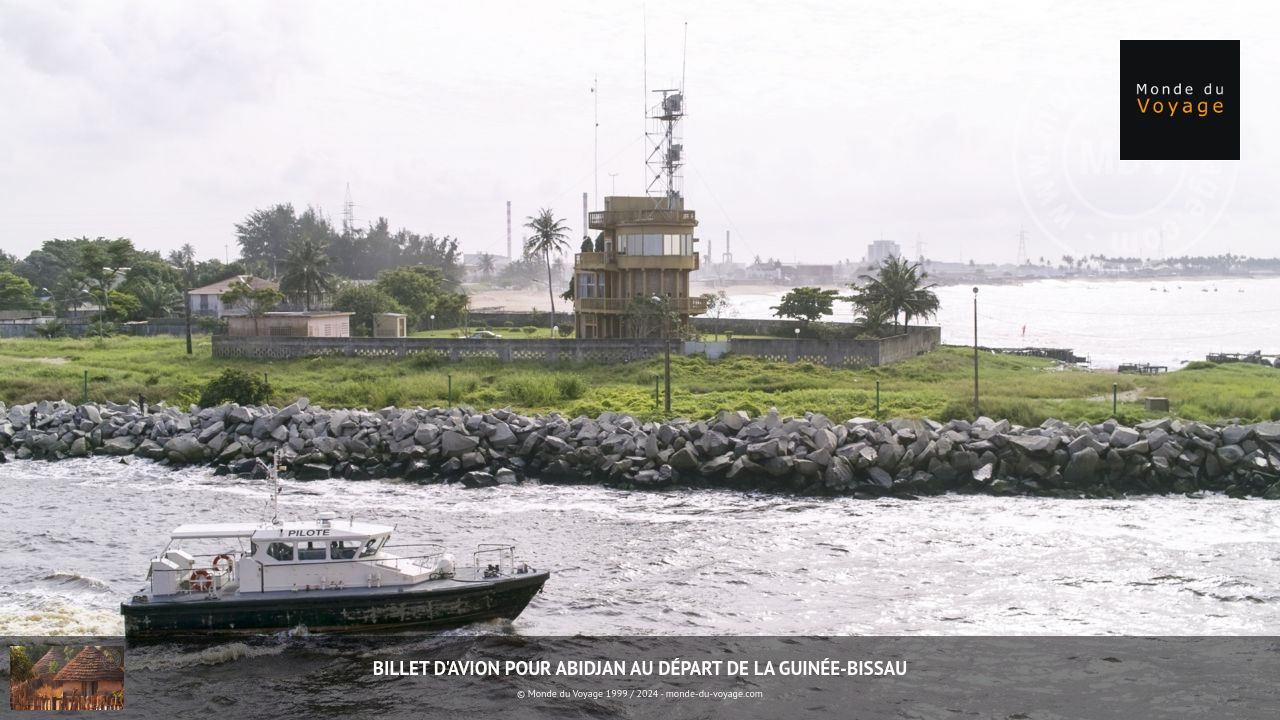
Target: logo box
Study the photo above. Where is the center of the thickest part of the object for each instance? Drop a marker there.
(1179, 99)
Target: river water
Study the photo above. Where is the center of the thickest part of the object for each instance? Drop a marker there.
(693, 562)
(1168, 321)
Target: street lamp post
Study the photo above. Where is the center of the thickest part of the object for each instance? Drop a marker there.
(976, 412)
(433, 323)
(796, 347)
(666, 353)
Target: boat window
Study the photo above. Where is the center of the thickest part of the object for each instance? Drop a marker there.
(311, 552)
(371, 547)
(343, 549)
(280, 551)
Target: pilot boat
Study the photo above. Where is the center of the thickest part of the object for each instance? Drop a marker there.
(327, 574)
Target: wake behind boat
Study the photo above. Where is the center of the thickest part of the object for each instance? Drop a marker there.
(327, 574)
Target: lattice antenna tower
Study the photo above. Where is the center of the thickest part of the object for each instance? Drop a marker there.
(348, 213)
(666, 143)
(1022, 246)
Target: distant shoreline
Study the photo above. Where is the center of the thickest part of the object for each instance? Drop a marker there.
(498, 300)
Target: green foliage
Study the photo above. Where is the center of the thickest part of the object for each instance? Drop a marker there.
(209, 324)
(421, 291)
(937, 385)
(123, 306)
(306, 270)
(366, 301)
(256, 302)
(21, 666)
(549, 236)
(102, 328)
(156, 299)
(806, 304)
(16, 293)
(897, 289)
(50, 330)
(237, 386)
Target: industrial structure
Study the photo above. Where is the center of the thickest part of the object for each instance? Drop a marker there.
(642, 257)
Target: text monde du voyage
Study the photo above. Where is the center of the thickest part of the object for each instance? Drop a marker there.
(1180, 100)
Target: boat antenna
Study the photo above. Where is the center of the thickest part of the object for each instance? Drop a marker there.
(274, 474)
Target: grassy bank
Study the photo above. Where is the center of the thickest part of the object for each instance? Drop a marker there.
(937, 385)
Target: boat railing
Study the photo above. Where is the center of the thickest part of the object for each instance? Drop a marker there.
(498, 552)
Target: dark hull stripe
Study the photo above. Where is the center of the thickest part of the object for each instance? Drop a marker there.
(433, 609)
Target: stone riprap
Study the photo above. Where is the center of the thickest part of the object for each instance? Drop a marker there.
(810, 454)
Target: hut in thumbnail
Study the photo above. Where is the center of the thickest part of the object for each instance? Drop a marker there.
(91, 672)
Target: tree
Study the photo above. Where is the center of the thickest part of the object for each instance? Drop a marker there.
(306, 273)
(122, 306)
(255, 302)
(21, 667)
(16, 293)
(549, 236)
(183, 256)
(806, 304)
(7, 261)
(486, 264)
(420, 291)
(264, 236)
(100, 264)
(717, 306)
(365, 301)
(897, 289)
(156, 300)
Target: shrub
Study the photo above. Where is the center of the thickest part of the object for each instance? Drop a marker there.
(528, 330)
(1200, 365)
(236, 386)
(101, 328)
(211, 325)
(570, 387)
(50, 330)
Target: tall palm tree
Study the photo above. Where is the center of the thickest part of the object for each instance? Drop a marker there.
(486, 264)
(549, 235)
(159, 300)
(895, 290)
(306, 273)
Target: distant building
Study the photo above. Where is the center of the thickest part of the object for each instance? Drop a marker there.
(809, 274)
(880, 250)
(292, 324)
(390, 325)
(647, 251)
(207, 300)
(769, 270)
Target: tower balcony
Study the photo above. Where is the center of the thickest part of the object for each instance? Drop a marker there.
(680, 305)
(615, 261)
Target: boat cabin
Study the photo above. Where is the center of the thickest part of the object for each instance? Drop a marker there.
(320, 554)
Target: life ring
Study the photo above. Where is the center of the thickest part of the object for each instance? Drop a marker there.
(220, 558)
(201, 581)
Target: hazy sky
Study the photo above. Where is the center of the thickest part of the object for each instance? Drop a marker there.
(813, 127)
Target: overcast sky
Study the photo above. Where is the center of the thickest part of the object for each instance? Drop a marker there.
(813, 127)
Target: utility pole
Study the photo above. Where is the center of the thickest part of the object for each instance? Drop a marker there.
(509, 257)
(187, 308)
(976, 412)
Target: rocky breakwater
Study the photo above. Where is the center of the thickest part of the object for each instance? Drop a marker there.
(809, 454)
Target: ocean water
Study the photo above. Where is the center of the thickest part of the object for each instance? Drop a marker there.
(1162, 322)
(692, 562)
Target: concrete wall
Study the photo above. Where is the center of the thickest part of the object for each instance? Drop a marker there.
(836, 353)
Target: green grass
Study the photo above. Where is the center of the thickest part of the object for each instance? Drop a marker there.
(937, 385)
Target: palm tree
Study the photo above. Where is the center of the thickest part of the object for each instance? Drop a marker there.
(486, 264)
(549, 235)
(182, 257)
(159, 300)
(896, 290)
(306, 273)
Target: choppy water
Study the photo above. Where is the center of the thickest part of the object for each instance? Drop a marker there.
(1163, 322)
(78, 534)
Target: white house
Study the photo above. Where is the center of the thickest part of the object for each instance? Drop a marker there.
(207, 300)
